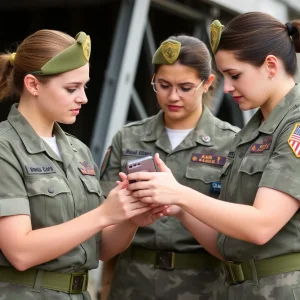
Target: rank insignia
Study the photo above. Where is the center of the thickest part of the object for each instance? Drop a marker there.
(106, 160)
(170, 50)
(208, 159)
(261, 147)
(86, 169)
(294, 140)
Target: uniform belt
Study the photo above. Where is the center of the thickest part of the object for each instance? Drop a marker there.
(72, 283)
(239, 272)
(172, 260)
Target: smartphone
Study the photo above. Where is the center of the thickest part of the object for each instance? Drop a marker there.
(143, 164)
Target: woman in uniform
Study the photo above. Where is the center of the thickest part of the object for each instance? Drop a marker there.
(165, 261)
(258, 220)
(50, 212)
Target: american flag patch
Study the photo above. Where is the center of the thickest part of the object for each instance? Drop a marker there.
(294, 140)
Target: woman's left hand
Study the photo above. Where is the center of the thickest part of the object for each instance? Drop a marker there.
(156, 187)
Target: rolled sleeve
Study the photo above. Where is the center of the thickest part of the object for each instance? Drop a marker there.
(14, 206)
(13, 195)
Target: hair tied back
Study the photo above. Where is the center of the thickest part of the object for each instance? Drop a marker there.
(292, 30)
(12, 57)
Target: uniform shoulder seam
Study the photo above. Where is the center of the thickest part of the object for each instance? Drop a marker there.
(140, 122)
(226, 126)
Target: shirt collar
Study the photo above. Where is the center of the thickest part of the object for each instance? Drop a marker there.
(31, 140)
(204, 128)
(255, 125)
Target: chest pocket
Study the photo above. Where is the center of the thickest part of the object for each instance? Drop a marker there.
(50, 200)
(93, 190)
(201, 177)
(250, 173)
(93, 196)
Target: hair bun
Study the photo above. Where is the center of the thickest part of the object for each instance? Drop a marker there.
(292, 30)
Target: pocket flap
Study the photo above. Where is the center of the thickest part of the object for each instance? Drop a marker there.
(203, 172)
(254, 164)
(44, 185)
(91, 184)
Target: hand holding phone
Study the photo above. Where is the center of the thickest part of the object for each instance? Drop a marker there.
(143, 164)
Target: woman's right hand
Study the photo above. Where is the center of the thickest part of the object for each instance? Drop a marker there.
(120, 205)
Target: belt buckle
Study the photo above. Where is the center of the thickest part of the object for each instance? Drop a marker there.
(230, 273)
(230, 276)
(165, 260)
(78, 283)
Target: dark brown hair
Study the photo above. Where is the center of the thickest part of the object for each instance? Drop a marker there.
(31, 55)
(194, 54)
(253, 36)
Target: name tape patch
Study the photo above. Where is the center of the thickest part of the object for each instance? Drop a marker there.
(208, 159)
(47, 169)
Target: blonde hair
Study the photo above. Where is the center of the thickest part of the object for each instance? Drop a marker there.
(33, 53)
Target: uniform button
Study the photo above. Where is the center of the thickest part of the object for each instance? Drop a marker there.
(51, 190)
(164, 219)
(251, 170)
(206, 139)
(148, 133)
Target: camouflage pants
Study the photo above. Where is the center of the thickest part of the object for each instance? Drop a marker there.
(137, 281)
(10, 291)
(279, 287)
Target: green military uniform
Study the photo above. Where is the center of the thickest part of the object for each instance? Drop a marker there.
(34, 181)
(197, 163)
(265, 155)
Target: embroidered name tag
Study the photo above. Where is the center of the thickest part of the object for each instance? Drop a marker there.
(136, 152)
(86, 169)
(40, 169)
(208, 159)
(261, 147)
(215, 187)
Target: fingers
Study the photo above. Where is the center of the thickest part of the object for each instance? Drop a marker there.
(123, 176)
(142, 194)
(160, 164)
(138, 204)
(147, 200)
(159, 209)
(141, 176)
(139, 211)
(121, 185)
(141, 185)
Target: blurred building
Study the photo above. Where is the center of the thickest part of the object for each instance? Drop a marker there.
(125, 34)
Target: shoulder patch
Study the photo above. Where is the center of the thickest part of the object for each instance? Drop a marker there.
(105, 162)
(294, 140)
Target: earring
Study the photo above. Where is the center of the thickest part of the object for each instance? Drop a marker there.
(34, 93)
(271, 77)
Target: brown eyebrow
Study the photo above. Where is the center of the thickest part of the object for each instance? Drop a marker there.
(77, 82)
(228, 70)
(181, 83)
